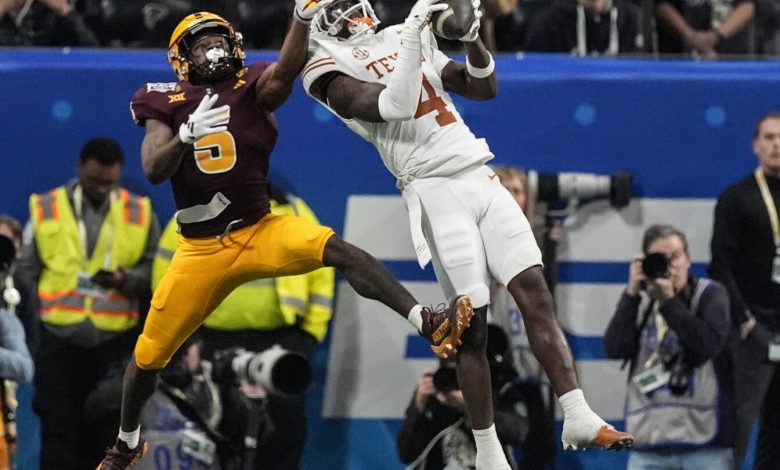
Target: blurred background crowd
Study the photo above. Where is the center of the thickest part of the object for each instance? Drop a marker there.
(684, 28)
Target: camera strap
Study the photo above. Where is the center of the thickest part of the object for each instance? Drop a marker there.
(188, 410)
(773, 220)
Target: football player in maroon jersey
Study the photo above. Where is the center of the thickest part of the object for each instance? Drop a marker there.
(212, 134)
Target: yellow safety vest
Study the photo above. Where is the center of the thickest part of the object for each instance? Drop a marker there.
(266, 304)
(61, 252)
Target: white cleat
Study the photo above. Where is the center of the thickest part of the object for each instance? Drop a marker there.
(582, 434)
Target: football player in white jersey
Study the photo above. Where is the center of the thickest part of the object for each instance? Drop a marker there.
(391, 87)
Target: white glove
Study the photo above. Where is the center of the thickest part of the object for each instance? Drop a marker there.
(204, 120)
(421, 12)
(473, 33)
(306, 9)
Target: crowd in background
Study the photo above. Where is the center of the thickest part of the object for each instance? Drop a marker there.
(676, 28)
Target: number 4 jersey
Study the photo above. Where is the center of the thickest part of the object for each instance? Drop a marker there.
(233, 162)
(436, 142)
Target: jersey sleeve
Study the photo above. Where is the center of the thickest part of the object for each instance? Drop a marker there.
(320, 63)
(438, 58)
(150, 102)
(255, 71)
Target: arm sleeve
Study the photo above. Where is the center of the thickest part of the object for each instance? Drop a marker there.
(724, 247)
(704, 334)
(15, 361)
(621, 337)
(398, 102)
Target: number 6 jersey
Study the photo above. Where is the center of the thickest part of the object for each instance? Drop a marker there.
(233, 162)
(436, 141)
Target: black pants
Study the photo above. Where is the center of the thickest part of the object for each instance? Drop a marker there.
(757, 389)
(283, 433)
(78, 418)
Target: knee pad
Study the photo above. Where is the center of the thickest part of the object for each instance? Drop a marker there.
(149, 355)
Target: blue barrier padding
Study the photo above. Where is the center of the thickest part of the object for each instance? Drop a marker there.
(605, 273)
(683, 128)
(568, 271)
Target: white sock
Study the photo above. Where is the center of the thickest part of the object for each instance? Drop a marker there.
(414, 317)
(130, 438)
(490, 454)
(574, 404)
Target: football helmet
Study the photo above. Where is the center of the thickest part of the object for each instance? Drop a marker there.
(346, 19)
(216, 64)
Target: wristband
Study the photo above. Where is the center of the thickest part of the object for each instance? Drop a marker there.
(301, 19)
(481, 73)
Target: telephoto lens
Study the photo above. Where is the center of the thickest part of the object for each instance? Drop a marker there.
(445, 379)
(655, 265)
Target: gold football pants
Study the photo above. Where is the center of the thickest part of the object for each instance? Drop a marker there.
(204, 271)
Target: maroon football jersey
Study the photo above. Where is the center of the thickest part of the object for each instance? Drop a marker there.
(234, 162)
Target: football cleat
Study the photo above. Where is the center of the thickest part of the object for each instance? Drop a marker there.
(120, 457)
(582, 436)
(444, 326)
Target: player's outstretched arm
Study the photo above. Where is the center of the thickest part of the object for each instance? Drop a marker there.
(373, 102)
(275, 84)
(476, 79)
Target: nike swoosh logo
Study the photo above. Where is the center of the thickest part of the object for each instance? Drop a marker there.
(492, 177)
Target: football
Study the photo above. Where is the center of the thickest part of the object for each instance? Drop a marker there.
(455, 21)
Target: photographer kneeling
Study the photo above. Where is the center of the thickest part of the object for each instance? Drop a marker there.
(673, 329)
(436, 433)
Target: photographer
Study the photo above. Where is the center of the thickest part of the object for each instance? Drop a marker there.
(673, 328)
(16, 365)
(436, 433)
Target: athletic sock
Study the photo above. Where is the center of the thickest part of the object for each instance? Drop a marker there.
(130, 438)
(490, 454)
(415, 317)
(574, 404)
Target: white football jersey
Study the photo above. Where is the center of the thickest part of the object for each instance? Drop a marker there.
(436, 142)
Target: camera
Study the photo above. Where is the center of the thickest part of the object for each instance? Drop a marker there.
(576, 187)
(445, 379)
(278, 370)
(7, 253)
(679, 371)
(655, 265)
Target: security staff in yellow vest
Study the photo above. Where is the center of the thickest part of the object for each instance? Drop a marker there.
(291, 311)
(89, 250)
